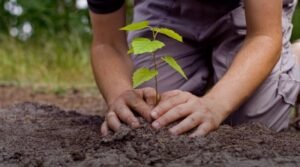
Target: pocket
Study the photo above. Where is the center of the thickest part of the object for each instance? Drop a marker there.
(277, 89)
(289, 85)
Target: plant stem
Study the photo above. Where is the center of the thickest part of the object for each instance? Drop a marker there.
(155, 67)
(155, 78)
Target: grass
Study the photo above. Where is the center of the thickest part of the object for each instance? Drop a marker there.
(57, 63)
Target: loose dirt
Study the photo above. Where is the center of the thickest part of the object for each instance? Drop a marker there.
(83, 100)
(34, 134)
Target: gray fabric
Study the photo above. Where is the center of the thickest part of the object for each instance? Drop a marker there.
(213, 33)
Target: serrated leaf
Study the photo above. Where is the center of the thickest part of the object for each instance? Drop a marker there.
(142, 75)
(172, 62)
(145, 45)
(168, 32)
(136, 26)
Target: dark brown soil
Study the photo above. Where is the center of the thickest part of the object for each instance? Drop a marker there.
(43, 135)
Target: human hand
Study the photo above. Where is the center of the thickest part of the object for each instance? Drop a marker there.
(120, 110)
(197, 112)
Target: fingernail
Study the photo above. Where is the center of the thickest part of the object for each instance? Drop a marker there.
(192, 136)
(135, 124)
(154, 115)
(156, 125)
(104, 134)
(172, 131)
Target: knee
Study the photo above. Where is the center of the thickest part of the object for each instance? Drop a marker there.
(296, 50)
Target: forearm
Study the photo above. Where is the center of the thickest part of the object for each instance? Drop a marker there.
(112, 66)
(112, 71)
(249, 69)
(256, 59)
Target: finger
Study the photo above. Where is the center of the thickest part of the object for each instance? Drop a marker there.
(112, 121)
(166, 105)
(202, 130)
(169, 94)
(187, 124)
(149, 94)
(137, 103)
(126, 115)
(171, 116)
(104, 129)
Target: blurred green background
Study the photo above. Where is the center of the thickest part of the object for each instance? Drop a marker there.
(46, 42)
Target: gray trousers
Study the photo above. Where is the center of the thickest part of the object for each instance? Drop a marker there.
(213, 32)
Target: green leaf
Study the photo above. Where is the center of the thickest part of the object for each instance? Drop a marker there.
(136, 26)
(168, 32)
(142, 75)
(145, 45)
(130, 51)
(172, 62)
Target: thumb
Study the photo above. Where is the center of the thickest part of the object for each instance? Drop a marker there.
(150, 96)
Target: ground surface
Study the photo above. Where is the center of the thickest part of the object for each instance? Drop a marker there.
(44, 135)
(35, 134)
(87, 101)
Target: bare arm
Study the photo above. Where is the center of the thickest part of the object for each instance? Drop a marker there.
(112, 70)
(255, 60)
(111, 65)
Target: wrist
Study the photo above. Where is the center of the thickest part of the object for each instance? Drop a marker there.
(111, 97)
(221, 108)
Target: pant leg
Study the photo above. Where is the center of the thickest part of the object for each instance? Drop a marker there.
(272, 101)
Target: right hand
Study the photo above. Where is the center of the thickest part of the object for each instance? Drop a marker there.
(121, 109)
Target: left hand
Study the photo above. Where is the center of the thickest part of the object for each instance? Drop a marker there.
(197, 112)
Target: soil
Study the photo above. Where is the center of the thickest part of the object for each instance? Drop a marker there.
(86, 101)
(33, 134)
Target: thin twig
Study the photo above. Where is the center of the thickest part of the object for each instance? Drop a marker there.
(155, 67)
(156, 81)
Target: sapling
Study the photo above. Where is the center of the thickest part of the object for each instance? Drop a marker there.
(142, 45)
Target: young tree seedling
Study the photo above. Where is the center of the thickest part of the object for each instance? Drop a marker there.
(141, 45)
